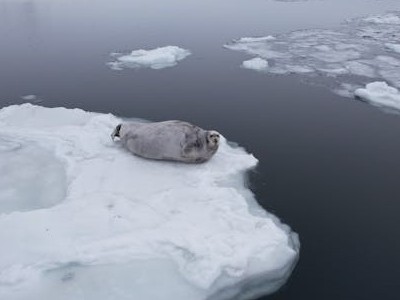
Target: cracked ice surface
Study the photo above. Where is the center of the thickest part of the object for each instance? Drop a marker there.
(122, 227)
(348, 57)
(158, 58)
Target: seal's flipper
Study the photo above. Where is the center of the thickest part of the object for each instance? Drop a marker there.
(116, 132)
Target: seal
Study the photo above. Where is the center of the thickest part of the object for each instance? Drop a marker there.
(168, 140)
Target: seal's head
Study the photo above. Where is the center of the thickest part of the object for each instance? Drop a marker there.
(213, 139)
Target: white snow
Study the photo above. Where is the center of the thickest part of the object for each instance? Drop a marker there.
(360, 50)
(95, 222)
(256, 63)
(380, 94)
(157, 58)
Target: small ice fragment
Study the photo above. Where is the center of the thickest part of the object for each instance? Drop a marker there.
(157, 58)
(256, 39)
(360, 69)
(381, 94)
(29, 97)
(116, 66)
(32, 98)
(390, 18)
(298, 69)
(335, 56)
(346, 90)
(388, 60)
(393, 47)
(257, 64)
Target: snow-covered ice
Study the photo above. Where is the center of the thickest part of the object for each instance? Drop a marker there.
(380, 94)
(348, 56)
(31, 177)
(158, 58)
(256, 63)
(82, 219)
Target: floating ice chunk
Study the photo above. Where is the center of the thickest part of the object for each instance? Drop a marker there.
(158, 58)
(256, 39)
(353, 53)
(346, 90)
(391, 19)
(360, 69)
(117, 225)
(393, 47)
(257, 63)
(255, 48)
(115, 65)
(380, 94)
(298, 69)
(388, 60)
(333, 56)
(29, 97)
(32, 98)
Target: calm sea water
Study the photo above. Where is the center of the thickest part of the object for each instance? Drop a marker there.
(329, 166)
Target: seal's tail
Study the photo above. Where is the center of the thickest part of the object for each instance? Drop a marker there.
(116, 132)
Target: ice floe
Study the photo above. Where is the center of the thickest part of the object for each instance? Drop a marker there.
(348, 56)
(29, 97)
(256, 39)
(393, 47)
(256, 63)
(158, 58)
(380, 94)
(389, 18)
(82, 219)
(32, 99)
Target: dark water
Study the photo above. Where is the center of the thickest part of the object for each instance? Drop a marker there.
(329, 166)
